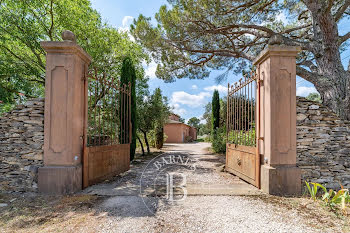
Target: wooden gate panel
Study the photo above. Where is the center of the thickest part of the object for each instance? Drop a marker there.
(103, 162)
(241, 161)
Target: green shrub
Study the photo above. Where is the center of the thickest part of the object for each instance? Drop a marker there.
(207, 138)
(241, 137)
(218, 140)
(331, 198)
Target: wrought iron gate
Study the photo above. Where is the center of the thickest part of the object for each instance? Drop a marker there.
(242, 155)
(108, 128)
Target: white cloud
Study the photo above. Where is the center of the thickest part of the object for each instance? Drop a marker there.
(305, 91)
(282, 17)
(203, 121)
(220, 88)
(194, 87)
(150, 70)
(178, 110)
(181, 97)
(127, 20)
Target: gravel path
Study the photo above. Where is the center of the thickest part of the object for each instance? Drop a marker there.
(128, 210)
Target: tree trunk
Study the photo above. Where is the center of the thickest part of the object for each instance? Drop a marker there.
(332, 80)
(160, 138)
(143, 149)
(336, 96)
(146, 141)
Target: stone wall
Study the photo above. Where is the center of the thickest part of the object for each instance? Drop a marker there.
(21, 146)
(323, 145)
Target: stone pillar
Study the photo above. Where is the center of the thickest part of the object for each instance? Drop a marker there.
(277, 138)
(64, 122)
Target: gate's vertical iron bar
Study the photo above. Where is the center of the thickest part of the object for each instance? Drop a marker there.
(233, 106)
(121, 115)
(228, 113)
(251, 113)
(111, 118)
(245, 111)
(236, 115)
(124, 114)
(248, 111)
(99, 118)
(116, 139)
(95, 106)
(232, 115)
(240, 111)
(130, 123)
(103, 110)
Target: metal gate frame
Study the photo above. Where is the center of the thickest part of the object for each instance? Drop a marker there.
(242, 147)
(107, 136)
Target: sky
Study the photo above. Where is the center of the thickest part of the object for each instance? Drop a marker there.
(187, 97)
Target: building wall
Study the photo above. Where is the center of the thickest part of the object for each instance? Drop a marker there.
(21, 146)
(176, 133)
(193, 133)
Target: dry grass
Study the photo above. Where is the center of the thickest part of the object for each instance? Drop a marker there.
(34, 213)
(316, 214)
(48, 213)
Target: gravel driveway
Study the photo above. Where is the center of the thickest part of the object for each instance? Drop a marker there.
(216, 201)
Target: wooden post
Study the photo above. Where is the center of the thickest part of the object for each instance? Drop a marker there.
(65, 113)
(277, 128)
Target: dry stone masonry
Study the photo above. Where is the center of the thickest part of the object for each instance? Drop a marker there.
(323, 145)
(21, 146)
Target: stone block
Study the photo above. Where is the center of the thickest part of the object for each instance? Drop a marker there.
(281, 180)
(60, 179)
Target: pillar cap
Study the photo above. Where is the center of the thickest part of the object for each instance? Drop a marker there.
(277, 50)
(65, 47)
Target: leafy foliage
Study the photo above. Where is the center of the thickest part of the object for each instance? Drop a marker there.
(182, 120)
(153, 112)
(194, 122)
(215, 110)
(192, 38)
(161, 111)
(331, 198)
(241, 137)
(314, 97)
(218, 140)
(23, 24)
(128, 75)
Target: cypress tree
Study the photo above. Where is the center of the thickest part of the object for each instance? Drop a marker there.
(128, 74)
(215, 110)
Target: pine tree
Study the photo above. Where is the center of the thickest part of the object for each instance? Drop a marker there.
(215, 110)
(128, 74)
